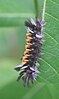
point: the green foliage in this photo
(50, 71)
(13, 13)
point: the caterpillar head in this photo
(34, 24)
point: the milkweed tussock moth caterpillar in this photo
(28, 68)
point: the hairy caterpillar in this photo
(28, 68)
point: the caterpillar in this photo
(28, 68)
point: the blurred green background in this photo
(13, 13)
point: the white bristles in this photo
(32, 69)
(29, 30)
(33, 22)
(19, 66)
(24, 67)
(39, 36)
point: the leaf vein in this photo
(54, 2)
(51, 16)
(43, 13)
(51, 54)
(45, 71)
(51, 37)
(50, 66)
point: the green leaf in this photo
(49, 69)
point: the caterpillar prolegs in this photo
(28, 68)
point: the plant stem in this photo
(36, 8)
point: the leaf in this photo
(49, 69)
